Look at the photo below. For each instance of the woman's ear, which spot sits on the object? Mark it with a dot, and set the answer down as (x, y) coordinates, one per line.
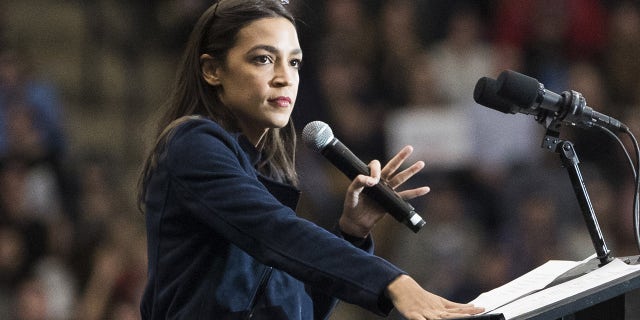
(210, 68)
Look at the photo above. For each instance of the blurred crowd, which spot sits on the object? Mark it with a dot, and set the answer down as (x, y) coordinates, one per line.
(381, 73)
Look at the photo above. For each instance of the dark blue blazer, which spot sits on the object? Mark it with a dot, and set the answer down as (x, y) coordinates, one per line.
(224, 242)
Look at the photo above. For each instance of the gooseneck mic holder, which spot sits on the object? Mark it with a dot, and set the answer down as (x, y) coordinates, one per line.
(569, 157)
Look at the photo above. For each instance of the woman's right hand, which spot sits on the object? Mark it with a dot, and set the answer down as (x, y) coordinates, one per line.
(415, 303)
(360, 214)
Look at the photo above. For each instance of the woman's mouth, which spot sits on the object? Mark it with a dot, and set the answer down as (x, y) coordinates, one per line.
(282, 102)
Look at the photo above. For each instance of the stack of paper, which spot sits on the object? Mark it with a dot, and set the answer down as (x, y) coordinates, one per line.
(528, 293)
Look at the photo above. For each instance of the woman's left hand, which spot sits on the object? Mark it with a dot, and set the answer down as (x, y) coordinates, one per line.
(360, 214)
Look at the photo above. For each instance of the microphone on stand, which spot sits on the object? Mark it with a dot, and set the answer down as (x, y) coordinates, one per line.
(514, 92)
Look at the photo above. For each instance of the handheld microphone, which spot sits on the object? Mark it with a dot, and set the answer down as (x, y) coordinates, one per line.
(532, 98)
(318, 136)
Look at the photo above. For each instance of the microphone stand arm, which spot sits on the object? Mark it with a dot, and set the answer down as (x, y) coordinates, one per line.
(569, 157)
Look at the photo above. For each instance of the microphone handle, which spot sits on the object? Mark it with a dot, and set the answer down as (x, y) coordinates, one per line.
(341, 157)
(604, 120)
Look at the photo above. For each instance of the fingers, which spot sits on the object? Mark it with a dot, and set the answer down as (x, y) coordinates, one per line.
(403, 176)
(362, 180)
(434, 315)
(390, 177)
(375, 171)
(397, 161)
(414, 193)
(389, 171)
(457, 305)
(459, 310)
(468, 310)
(448, 315)
(454, 313)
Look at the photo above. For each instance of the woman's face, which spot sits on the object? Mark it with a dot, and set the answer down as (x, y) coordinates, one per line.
(259, 81)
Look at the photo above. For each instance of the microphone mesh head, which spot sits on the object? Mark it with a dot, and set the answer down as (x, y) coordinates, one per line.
(316, 135)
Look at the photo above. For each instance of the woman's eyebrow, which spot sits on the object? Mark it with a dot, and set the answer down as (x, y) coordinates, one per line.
(273, 49)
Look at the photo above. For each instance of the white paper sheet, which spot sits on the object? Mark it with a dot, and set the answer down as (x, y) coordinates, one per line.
(531, 281)
(609, 272)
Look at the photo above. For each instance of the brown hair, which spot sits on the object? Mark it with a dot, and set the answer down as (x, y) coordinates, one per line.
(215, 33)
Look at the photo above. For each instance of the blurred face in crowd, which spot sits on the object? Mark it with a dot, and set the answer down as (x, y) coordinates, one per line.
(10, 70)
(259, 80)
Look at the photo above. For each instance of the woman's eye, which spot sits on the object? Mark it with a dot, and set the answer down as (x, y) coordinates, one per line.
(296, 63)
(263, 59)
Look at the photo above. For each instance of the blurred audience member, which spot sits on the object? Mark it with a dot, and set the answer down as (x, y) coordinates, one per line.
(30, 301)
(31, 130)
(13, 261)
(398, 54)
(34, 100)
(621, 57)
(461, 57)
(346, 83)
(549, 34)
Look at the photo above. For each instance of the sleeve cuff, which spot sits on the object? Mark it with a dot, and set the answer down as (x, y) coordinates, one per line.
(365, 244)
(384, 302)
(356, 241)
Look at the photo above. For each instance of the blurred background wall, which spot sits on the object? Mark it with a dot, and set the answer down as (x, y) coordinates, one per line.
(82, 81)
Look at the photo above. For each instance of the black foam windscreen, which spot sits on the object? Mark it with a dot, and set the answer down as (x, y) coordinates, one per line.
(518, 88)
(485, 93)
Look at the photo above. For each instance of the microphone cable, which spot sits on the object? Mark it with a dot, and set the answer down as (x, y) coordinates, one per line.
(636, 175)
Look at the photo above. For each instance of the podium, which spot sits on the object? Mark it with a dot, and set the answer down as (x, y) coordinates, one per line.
(586, 292)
